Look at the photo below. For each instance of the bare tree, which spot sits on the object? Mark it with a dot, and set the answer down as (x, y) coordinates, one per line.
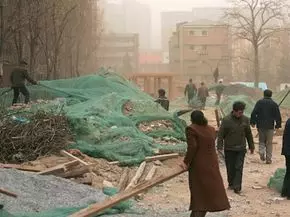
(256, 21)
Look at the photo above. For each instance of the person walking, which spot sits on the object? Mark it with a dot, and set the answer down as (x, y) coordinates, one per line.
(190, 90)
(286, 153)
(17, 78)
(202, 94)
(162, 99)
(219, 91)
(206, 186)
(266, 116)
(233, 133)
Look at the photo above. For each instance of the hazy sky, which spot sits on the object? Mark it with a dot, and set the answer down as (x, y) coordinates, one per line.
(168, 5)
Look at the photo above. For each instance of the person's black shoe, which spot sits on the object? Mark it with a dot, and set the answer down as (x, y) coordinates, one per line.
(1, 206)
(237, 191)
(262, 158)
(268, 162)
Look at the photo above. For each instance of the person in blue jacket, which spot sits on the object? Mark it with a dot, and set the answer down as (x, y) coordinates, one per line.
(286, 153)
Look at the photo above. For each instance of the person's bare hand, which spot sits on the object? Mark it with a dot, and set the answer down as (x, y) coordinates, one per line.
(183, 166)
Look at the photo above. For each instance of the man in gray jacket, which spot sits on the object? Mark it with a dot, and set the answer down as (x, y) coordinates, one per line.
(233, 135)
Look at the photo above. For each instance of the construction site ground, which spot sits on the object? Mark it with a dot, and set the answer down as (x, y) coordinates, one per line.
(172, 197)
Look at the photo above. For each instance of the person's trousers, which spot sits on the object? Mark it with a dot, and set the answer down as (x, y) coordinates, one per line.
(286, 183)
(266, 144)
(218, 99)
(17, 91)
(198, 214)
(189, 98)
(203, 102)
(235, 165)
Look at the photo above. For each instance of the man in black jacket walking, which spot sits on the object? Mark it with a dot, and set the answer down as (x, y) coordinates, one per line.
(266, 116)
(234, 133)
(18, 77)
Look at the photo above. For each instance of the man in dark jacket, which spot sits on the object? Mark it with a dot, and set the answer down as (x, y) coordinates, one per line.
(18, 77)
(286, 152)
(202, 94)
(190, 91)
(162, 99)
(233, 133)
(266, 116)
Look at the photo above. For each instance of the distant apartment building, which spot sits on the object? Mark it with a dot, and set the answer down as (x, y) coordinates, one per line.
(197, 48)
(119, 52)
(130, 17)
(169, 19)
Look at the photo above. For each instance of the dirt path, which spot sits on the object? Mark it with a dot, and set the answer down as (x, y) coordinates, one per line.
(257, 199)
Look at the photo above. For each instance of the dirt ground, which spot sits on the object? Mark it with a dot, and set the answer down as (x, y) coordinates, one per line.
(256, 200)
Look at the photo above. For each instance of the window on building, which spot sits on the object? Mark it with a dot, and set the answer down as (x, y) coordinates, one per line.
(191, 33)
(204, 33)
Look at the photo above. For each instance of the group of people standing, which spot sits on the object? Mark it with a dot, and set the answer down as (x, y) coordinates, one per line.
(201, 93)
(234, 137)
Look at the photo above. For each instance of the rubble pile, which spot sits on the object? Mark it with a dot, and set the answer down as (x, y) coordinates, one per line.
(26, 137)
(155, 125)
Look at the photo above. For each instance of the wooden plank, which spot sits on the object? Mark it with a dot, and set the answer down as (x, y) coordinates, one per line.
(217, 117)
(94, 209)
(59, 168)
(124, 179)
(8, 193)
(65, 153)
(137, 176)
(151, 173)
(154, 158)
(19, 167)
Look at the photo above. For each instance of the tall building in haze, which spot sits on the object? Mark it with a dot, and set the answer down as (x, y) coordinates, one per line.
(131, 17)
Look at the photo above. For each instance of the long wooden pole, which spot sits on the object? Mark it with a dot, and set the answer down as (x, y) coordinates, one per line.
(92, 210)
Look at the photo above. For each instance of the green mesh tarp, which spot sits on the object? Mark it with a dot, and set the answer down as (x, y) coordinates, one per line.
(103, 123)
(278, 97)
(276, 181)
(226, 105)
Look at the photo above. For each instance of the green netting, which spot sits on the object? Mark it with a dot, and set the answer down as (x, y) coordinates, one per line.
(226, 105)
(278, 97)
(276, 181)
(104, 126)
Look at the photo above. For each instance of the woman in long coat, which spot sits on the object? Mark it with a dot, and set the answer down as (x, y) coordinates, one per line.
(286, 153)
(207, 190)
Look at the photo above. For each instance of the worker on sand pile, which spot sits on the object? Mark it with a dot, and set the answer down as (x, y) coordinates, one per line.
(17, 78)
(266, 116)
(162, 99)
(206, 185)
(286, 153)
(202, 94)
(190, 90)
(233, 133)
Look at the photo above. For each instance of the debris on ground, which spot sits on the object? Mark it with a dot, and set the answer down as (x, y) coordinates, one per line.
(155, 125)
(40, 193)
(25, 138)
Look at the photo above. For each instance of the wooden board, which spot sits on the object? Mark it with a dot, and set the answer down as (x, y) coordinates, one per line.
(154, 158)
(8, 193)
(59, 168)
(19, 167)
(94, 209)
